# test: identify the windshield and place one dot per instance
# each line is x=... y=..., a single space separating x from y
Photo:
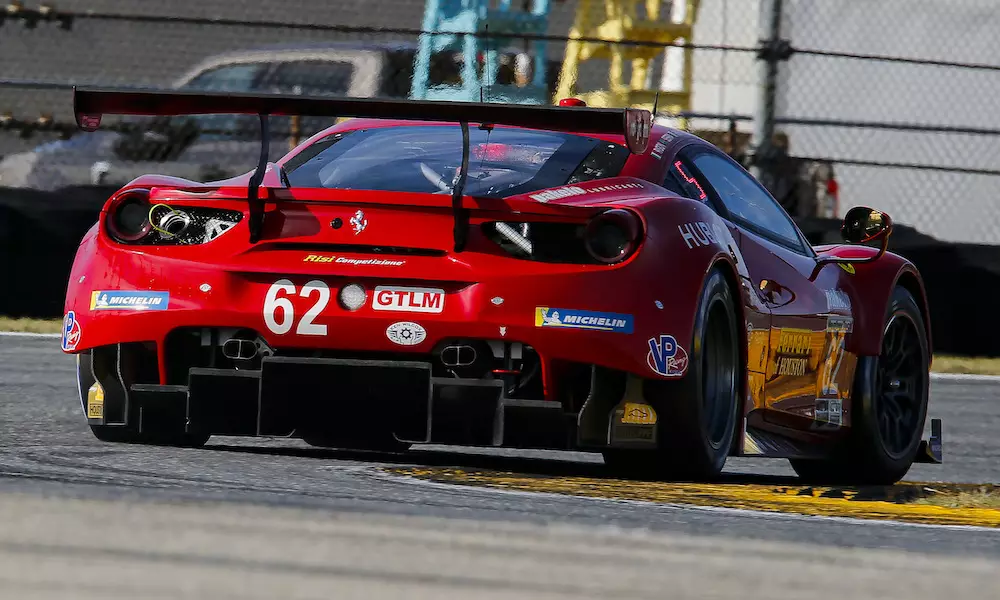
x=503 y=162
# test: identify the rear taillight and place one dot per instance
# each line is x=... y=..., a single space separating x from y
x=132 y=219
x=613 y=235
x=128 y=217
x=608 y=238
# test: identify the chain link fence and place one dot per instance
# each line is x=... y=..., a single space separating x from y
x=900 y=96
x=895 y=95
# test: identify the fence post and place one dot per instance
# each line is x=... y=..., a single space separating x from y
x=772 y=50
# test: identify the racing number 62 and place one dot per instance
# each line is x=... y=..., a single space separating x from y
x=306 y=326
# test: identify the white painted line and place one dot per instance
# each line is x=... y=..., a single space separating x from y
x=963 y=377
x=29 y=335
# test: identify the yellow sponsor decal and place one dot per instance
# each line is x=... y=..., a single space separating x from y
x=93 y=300
x=318 y=258
x=792 y=366
x=95 y=402
x=795 y=341
x=847 y=267
x=638 y=414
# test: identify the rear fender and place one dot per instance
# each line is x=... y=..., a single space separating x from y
x=685 y=239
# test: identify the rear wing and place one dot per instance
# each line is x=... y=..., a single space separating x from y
x=89 y=106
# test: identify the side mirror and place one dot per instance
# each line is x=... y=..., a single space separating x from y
x=863 y=225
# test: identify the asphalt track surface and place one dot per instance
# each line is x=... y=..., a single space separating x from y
x=268 y=519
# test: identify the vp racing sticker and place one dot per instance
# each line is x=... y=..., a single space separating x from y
x=71 y=332
x=666 y=357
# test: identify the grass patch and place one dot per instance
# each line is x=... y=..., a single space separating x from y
x=31 y=325
x=943 y=363
x=984 y=497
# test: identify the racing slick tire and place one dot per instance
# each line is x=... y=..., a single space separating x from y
x=889 y=406
x=127 y=434
x=698 y=413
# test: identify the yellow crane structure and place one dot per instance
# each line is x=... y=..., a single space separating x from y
x=621 y=22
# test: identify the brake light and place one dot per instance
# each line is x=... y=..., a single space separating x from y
x=128 y=216
x=613 y=235
x=131 y=219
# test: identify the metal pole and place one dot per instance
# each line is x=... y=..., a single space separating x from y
x=772 y=51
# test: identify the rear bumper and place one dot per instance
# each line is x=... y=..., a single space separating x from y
x=342 y=401
x=485 y=297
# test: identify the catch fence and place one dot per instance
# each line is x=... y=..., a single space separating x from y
x=896 y=97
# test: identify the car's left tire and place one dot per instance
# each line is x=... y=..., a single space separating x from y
x=698 y=415
x=127 y=434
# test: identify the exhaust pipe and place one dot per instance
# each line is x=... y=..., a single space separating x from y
x=458 y=355
x=237 y=349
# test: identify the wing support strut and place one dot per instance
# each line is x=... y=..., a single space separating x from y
x=256 y=205
x=458 y=187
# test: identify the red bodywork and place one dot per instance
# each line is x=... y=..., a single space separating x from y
x=491 y=295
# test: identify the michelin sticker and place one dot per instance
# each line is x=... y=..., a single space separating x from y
x=71 y=332
x=121 y=300
x=582 y=319
x=666 y=357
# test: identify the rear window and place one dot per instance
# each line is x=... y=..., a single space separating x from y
x=503 y=162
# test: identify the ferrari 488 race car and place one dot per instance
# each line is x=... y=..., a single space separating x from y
x=557 y=277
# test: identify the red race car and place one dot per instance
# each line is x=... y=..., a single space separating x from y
x=495 y=275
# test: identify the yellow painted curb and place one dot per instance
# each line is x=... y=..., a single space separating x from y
x=895 y=503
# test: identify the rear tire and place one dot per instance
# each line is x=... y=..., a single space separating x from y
x=889 y=405
x=698 y=414
x=126 y=434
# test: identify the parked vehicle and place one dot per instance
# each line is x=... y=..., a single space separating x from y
x=209 y=147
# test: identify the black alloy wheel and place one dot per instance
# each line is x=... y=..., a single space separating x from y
x=900 y=386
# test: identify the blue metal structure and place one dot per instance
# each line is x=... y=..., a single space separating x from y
x=462 y=26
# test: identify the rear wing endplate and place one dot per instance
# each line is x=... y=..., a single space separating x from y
x=90 y=105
